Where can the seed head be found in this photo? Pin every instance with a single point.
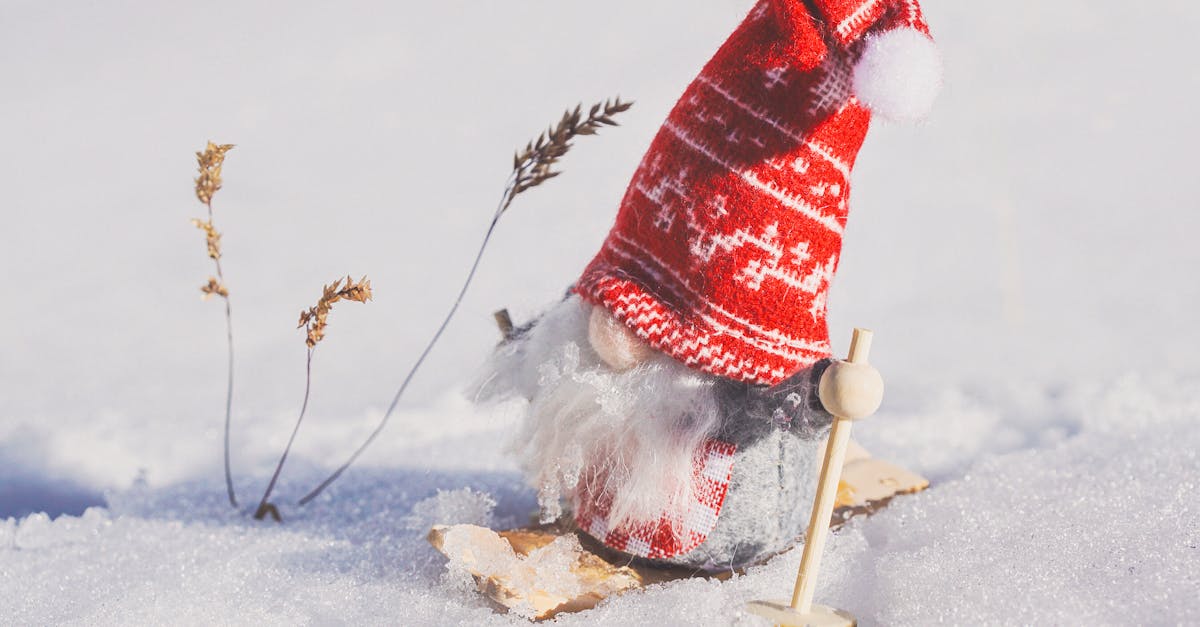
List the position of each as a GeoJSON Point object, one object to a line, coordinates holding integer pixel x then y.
{"type": "Point", "coordinates": [314, 319]}
{"type": "Point", "coordinates": [209, 163]}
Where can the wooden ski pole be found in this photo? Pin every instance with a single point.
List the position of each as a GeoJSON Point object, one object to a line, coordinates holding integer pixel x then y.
{"type": "Point", "coordinates": [850, 390]}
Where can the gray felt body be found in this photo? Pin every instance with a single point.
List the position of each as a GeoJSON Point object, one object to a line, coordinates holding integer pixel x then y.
{"type": "Point", "coordinates": [767, 507]}
{"type": "Point", "coordinates": [778, 432]}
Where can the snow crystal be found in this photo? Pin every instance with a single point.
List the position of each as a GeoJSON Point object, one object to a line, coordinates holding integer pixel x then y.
{"type": "Point", "coordinates": [451, 507]}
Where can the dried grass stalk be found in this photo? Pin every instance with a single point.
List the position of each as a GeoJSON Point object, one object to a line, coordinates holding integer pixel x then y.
{"type": "Point", "coordinates": [313, 320]}
{"type": "Point", "coordinates": [531, 167]}
{"type": "Point", "coordinates": [209, 162]}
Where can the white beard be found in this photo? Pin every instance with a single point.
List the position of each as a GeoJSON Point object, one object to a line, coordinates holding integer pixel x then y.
{"type": "Point", "coordinates": [630, 435]}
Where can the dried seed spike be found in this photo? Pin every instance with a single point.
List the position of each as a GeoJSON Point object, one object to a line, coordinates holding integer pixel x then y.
{"type": "Point", "coordinates": [316, 318]}
{"type": "Point", "coordinates": [534, 166]}
{"type": "Point", "coordinates": [209, 162]}
{"type": "Point", "coordinates": [214, 288]}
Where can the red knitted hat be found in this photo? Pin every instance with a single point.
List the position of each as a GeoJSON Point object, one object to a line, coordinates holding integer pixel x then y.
{"type": "Point", "coordinates": [729, 234]}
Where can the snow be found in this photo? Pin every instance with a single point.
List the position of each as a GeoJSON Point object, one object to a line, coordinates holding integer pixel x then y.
{"type": "Point", "coordinates": [1025, 258]}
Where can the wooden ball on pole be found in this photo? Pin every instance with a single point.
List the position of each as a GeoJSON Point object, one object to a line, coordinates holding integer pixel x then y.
{"type": "Point", "coordinates": [850, 390]}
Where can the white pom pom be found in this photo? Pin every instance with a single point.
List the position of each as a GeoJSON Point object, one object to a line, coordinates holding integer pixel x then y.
{"type": "Point", "coordinates": [899, 74]}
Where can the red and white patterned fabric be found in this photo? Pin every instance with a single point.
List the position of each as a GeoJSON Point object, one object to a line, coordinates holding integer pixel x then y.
{"type": "Point", "coordinates": [671, 535]}
{"type": "Point", "coordinates": [730, 232]}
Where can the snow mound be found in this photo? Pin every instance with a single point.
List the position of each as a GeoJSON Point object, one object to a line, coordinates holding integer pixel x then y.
{"type": "Point", "coordinates": [1079, 501]}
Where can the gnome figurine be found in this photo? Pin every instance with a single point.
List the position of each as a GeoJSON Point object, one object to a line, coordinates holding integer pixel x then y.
{"type": "Point", "coordinates": [672, 406]}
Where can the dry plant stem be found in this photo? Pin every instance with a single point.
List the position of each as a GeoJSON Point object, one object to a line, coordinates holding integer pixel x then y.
{"type": "Point", "coordinates": [264, 507]}
{"type": "Point", "coordinates": [531, 167]}
{"type": "Point", "coordinates": [314, 321]}
{"type": "Point", "coordinates": [420, 360]}
{"type": "Point", "coordinates": [208, 182]}
{"type": "Point", "coordinates": [229, 385]}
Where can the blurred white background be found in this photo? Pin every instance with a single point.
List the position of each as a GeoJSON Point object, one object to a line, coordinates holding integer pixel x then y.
{"type": "Point", "coordinates": [1039, 227]}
